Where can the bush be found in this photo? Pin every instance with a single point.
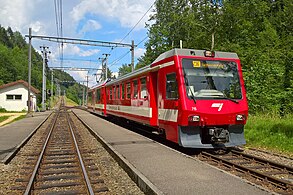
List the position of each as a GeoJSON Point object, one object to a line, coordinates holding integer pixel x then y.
{"type": "Point", "coordinates": [2, 109]}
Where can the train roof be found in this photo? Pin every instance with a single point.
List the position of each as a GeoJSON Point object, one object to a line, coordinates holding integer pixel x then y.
{"type": "Point", "coordinates": [170, 53]}
{"type": "Point", "coordinates": [194, 52]}
{"type": "Point", "coordinates": [99, 84]}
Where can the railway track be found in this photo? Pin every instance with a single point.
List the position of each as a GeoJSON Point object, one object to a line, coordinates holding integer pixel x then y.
{"type": "Point", "coordinates": [60, 167]}
{"type": "Point", "coordinates": [271, 175]}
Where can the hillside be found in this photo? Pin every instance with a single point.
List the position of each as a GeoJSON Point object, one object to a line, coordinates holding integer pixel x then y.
{"type": "Point", "coordinates": [14, 65]}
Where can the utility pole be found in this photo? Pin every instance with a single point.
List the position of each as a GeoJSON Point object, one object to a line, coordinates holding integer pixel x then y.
{"type": "Point", "coordinates": [87, 86]}
{"type": "Point", "coordinates": [45, 52]}
{"type": "Point", "coordinates": [83, 94]}
{"type": "Point", "coordinates": [52, 83]}
{"type": "Point", "coordinates": [106, 65]}
{"type": "Point", "coordinates": [132, 55]}
{"type": "Point", "coordinates": [29, 71]}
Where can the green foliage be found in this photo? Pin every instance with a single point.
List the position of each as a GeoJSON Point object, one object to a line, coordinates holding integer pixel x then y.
{"type": "Point", "coordinates": [271, 132]}
{"type": "Point", "coordinates": [75, 92]}
{"type": "Point", "coordinates": [259, 31]}
{"type": "Point", "coordinates": [14, 63]}
{"type": "Point", "coordinates": [124, 69]}
{"type": "Point", "coordinates": [3, 118]}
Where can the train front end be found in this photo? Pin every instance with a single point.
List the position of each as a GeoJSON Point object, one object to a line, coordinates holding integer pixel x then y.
{"type": "Point", "coordinates": [214, 107]}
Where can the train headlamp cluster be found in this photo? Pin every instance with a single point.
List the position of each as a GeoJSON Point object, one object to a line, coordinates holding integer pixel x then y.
{"type": "Point", "coordinates": [240, 117]}
{"type": "Point", "coordinates": [194, 118]}
{"type": "Point", "coordinates": [209, 53]}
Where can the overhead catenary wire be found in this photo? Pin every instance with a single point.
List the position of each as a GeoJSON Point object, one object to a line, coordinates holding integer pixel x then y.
{"type": "Point", "coordinates": [125, 54]}
{"type": "Point", "coordinates": [59, 26]}
{"type": "Point", "coordinates": [134, 26]}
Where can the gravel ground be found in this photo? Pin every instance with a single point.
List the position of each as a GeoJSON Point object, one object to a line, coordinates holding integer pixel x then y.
{"type": "Point", "coordinates": [116, 179]}
{"type": "Point", "coordinates": [266, 154]}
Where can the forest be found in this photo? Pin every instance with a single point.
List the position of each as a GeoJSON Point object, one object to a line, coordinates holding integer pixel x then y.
{"type": "Point", "coordinates": [259, 31]}
{"type": "Point", "coordinates": [14, 65]}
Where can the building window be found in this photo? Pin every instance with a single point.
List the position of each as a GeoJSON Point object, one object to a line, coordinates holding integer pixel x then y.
{"type": "Point", "coordinates": [17, 97]}
{"type": "Point", "coordinates": [9, 97]}
{"type": "Point", "coordinates": [171, 86]}
{"type": "Point", "coordinates": [13, 97]}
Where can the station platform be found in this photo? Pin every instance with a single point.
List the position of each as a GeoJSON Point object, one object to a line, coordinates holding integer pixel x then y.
{"type": "Point", "coordinates": [13, 135]}
{"type": "Point", "coordinates": [170, 171]}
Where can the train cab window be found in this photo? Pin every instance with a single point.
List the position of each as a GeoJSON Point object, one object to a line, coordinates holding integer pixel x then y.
{"type": "Point", "coordinates": [118, 92]}
{"type": "Point", "coordinates": [123, 91]}
{"type": "Point", "coordinates": [135, 89]}
{"type": "Point", "coordinates": [128, 91]}
{"type": "Point", "coordinates": [143, 88]}
{"type": "Point", "coordinates": [171, 86]}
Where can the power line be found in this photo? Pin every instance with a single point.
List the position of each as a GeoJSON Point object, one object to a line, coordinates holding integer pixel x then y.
{"type": "Point", "coordinates": [122, 56]}
{"type": "Point", "coordinates": [135, 25]}
{"type": "Point", "coordinates": [118, 59]}
{"type": "Point", "coordinates": [138, 21]}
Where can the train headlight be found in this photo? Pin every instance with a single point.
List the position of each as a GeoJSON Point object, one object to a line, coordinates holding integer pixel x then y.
{"type": "Point", "coordinates": [240, 117]}
{"type": "Point", "coordinates": [194, 118]}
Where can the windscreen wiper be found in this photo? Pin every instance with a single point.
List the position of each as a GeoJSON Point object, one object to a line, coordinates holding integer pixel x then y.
{"type": "Point", "coordinates": [187, 84]}
{"type": "Point", "coordinates": [232, 100]}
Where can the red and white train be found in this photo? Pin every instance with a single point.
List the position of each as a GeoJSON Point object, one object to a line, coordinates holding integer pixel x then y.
{"type": "Point", "coordinates": [196, 98]}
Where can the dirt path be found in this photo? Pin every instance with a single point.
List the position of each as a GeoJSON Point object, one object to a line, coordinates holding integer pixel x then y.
{"type": "Point", "coordinates": [11, 118]}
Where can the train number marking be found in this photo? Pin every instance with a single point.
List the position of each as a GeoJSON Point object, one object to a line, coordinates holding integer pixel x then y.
{"type": "Point", "coordinates": [217, 105]}
{"type": "Point", "coordinates": [193, 109]}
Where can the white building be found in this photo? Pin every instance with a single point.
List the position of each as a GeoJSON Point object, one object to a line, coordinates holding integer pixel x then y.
{"type": "Point", "coordinates": [14, 96]}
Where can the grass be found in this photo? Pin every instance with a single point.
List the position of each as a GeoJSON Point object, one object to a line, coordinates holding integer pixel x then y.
{"type": "Point", "coordinates": [270, 132]}
{"type": "Point", "coordinates": [3, 118]}
{"type": "Point", "coordinates": [70, 102]}
{"type": "Point", "coordinates": [18, 118]}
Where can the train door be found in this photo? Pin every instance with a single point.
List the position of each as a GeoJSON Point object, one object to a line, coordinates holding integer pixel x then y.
{"type": "Point", "coordinates": [168, 101]}
{"type": "Point", "coordinates": [153, 93]}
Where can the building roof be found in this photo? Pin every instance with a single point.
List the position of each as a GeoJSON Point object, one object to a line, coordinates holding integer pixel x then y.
{"type": "Point", "coordinates": [34, 90]}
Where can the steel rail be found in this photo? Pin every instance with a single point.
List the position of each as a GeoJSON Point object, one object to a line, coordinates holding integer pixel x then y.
{"type": "Point", "coordinates": [34, 174]}
{"type": "Point", "coordinates": [265, 161]}
{"type": "Point", "coordinates": [88, 183]}
{"type": "Point", "coordinates": [274, 181]}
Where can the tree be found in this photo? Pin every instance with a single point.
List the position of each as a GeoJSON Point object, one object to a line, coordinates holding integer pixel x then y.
{"type": "Point", "coordinates": [124, 69]}
{"type": "Point", "coordinates": [259, 31]}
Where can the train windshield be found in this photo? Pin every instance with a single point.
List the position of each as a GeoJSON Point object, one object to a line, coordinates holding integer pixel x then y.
{"type": "Point", "coordinates": [211, 79]}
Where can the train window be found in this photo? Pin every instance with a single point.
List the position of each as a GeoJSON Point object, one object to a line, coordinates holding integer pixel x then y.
{"type": "Point", "coordinates": [98, 95]}
{"type": "Point", "coordinates": [135, 89]}
{"type": "Point", "coordinates": [110, 92]}
{"type": "Point", "coordinates": [128, 91]}
{"type": "Point", "coordinates": [171, 86]}
{"type": "Point", "coordinates": [118, 92]}
{"type": "Point", "coordinates": [114, 93]}
{"type": "Point", "coordinates": [89, 98]}
{"type": "Point", "coordinates": [123, 91]}
{"type": "Point", "coordinates": [143, 88]}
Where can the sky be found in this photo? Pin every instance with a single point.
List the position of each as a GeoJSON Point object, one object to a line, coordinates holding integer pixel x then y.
{"type": "Point", "coordinates": [119, 21]}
